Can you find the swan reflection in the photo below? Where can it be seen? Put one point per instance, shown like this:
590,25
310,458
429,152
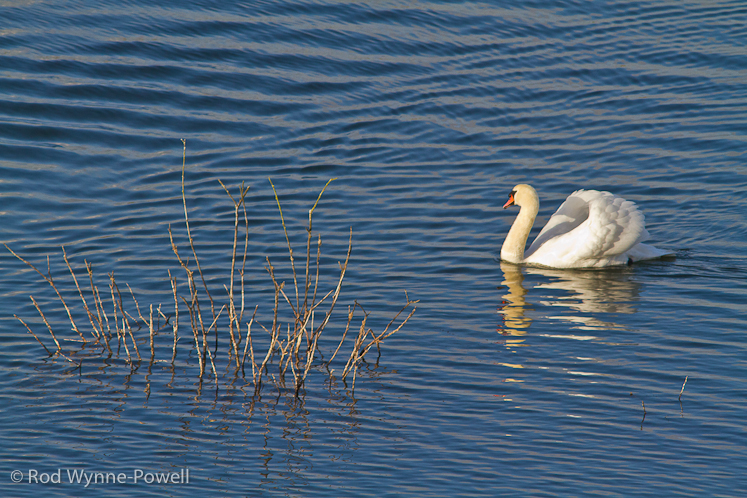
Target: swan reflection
584,294
514,305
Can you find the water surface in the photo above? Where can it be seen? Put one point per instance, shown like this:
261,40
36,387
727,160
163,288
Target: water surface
507,380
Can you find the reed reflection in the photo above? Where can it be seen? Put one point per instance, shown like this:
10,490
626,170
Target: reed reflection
583,296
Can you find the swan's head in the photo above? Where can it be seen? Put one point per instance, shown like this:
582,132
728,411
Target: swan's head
522,195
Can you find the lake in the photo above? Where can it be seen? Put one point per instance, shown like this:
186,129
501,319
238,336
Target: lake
506,380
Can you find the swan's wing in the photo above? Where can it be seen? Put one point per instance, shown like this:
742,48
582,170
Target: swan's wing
616,224
570,214
589,225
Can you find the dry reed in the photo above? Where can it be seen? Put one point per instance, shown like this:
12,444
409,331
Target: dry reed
683,389
296,350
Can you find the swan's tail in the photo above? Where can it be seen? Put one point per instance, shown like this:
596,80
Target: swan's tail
644,251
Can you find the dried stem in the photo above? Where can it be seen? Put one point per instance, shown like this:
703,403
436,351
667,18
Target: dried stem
290,249
309,359
358,354
274,333
377,339
126,322
308,250
316,333
189,232
243,262
343,269
95,331
197,338
210,355
137,306
347,327
150,330
355,352
250,346
59,348
30,332
114,311
120,336
175,325
683,388
99,308
49,280
318,256
108,334
233,319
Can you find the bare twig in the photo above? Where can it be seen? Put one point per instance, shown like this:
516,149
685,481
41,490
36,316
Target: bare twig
150,330
121,336
197,338
309,360
317,332
359,353
59,348
251,346
210,355
355,352
49,280
351,312
189,232
30,332
175,325
108,334
683,388
343,269
137,306
126,322
95,331
274,333
290,249
233,319
99,308
243,262
96,301
308,249
377,339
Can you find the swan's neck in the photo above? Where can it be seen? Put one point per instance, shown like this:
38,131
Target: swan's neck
513,247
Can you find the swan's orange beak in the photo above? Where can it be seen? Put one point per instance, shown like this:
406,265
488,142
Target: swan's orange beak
510,201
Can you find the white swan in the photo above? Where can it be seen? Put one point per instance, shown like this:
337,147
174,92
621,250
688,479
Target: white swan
590,229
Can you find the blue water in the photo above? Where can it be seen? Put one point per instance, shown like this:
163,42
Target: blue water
506,381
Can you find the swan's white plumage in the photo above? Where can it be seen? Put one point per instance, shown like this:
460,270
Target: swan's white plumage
590,229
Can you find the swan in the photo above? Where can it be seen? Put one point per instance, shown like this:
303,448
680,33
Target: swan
591,229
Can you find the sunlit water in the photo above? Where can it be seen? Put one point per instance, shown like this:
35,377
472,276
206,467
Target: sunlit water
507,381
